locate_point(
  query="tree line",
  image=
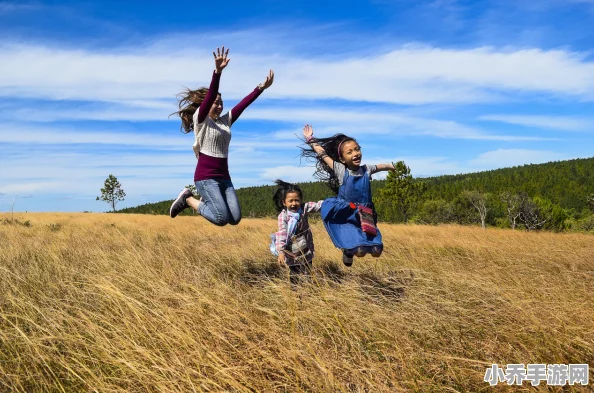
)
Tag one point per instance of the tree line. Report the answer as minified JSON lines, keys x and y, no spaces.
{"x":554,"y":196}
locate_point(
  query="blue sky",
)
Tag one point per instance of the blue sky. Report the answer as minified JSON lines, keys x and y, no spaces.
{"x":447,"y":86}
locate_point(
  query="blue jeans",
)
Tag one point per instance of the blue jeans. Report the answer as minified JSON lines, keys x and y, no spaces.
{"x":219,"y":201}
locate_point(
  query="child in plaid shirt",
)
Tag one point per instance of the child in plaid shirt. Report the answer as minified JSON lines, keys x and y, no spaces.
{"x":293,"y":243}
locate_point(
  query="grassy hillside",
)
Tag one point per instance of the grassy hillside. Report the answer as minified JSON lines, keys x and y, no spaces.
{"x":140,"y":303}
{"x":565,"y":183}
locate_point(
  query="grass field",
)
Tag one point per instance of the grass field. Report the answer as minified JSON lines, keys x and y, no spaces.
{"x":139,"y":303}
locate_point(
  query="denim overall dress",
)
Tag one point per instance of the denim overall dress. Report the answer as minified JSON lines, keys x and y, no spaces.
{"x":342,"y":221}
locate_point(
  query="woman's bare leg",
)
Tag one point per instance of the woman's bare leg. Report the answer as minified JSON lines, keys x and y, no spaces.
{"x":194,"y":203}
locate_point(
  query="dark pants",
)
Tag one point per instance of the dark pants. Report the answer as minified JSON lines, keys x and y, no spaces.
{"x":297,"y":272}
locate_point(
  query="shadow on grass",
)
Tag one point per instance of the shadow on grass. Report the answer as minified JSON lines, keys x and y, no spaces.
{"x":331,"y":272}
{"x":253,"y":272}
{"x":389,"y":286}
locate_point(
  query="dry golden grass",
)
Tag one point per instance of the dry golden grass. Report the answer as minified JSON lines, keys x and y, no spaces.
{"x":133,"y":303}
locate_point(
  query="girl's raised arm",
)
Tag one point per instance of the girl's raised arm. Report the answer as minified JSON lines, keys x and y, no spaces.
{"x":385,"y":167}
{"x":312,"y":207}
{"x":308,"y":134}
{"x":221,"y":61}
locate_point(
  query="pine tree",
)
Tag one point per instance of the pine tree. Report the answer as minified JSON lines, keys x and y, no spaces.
{"x":192,"y":187}
{"x":112,"y":192}
{"x":400,"y":193}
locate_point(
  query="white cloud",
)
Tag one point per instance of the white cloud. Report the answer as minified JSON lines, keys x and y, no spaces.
{"x":419,"y":166}
{"x":143,"y":172}
{"x":513,"y":157}
{"x":10,"y":7}
{"x":288,"y":173}
{"x":551,"y":122}
{"x":30,"y":187}
{"x":422,"y":166}
{"x":139,"y":83}
{"x":35,"y":135}
{"x":68,"y":111}
{"x":328,"y":121}
{"x":405,"y":75}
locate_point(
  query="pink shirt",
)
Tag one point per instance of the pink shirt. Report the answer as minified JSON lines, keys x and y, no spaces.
{"x":302,"y":241}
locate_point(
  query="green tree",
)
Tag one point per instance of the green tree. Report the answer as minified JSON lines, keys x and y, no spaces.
{"x":192,"y":187}
{"x":435,"y":211}
{"x":400,"y":193}
{"x":112,"y":192}
{"x":535,"y":213}
{"x":590,"y":201}
{"x":558,"y":219}
{"x":513,"y":205}
{"x":480,"y":202}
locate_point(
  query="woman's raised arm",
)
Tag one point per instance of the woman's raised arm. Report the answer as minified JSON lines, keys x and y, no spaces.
{"x":221,"y":61}
{"x":243,"y":104}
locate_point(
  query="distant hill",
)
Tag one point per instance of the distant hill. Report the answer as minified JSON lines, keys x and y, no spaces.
{"x":565,"y":183}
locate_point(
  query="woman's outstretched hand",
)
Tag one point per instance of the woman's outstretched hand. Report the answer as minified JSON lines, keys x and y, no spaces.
{"x":221,"y":59}
{"x":307,"y":132}
{"x":268,"y":82}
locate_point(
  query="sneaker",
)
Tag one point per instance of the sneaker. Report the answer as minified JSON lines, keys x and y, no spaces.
{"x":180,"y":203}
{"x":376,"y":251}
{"x":347,"y":259}
{"x":361,"y":251}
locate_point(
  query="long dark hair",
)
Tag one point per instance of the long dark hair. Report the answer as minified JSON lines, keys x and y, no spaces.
{"x":188,"y":102}
{"x":281,"y":193}
{"x":330,"y":145}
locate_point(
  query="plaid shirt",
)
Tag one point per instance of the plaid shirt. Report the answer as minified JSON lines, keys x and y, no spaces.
{"x":302,"y":238}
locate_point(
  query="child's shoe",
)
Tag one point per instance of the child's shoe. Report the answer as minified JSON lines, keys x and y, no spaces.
{"x":361,"y":251}
{"x":347,"y":259}
{"x":376,"y":251}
